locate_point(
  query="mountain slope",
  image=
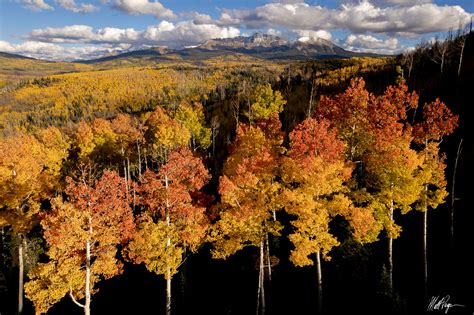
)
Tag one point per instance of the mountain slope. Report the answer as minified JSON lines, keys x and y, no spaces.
{"x":14,"y":68}
{"x":13,"y":56}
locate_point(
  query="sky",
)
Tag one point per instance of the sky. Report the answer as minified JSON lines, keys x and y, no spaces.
{"x":87,"y":29}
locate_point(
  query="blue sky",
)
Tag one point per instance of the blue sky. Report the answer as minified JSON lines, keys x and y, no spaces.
{"x":84,"y":29}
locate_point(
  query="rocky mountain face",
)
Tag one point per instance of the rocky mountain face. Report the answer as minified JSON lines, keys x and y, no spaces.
{"x":257,"y":40}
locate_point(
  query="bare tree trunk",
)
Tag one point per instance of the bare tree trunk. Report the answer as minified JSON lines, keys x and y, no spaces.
{"x":463,"y":44}
{"x":2,"y":249}
{"x":128,"y":173}
{"x":125,"y":175}
{"x":269,"y":263}
{"x":21,"y":272}
{"x":390,"y":255}
{"x":425,"y":256}
{"x":442,"y":62}
{"x":409,"y":56}
{"x":319,"y":280}
{"x":134,"y":199}
{"x":139,"y":162}
{"x":261,"y":287}
{"x":168,"y":244}
{"x":453,"y":197}
{"x":87,"y":303}
{"x":168,"y":292}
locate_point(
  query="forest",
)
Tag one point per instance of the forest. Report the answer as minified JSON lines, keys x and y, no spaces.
{"x":236,"y":187}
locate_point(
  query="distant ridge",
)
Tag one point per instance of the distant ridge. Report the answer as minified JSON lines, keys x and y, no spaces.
{"x":14,"y":56}
{"x":258,"y":45}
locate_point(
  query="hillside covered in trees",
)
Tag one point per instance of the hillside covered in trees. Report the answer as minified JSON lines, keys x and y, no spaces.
{"x":237,"y":186}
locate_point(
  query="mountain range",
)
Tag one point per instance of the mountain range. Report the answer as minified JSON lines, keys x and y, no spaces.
{"x":258,"y":45}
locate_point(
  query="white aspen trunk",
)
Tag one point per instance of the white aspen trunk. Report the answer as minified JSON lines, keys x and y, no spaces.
{"x":21,"y":272}
{"x":168,"y":244}
{"x":2,"y":250}
{"x":319,"y":280}
{"x":262,"y":281}
{"x":425,"y":256}
{"x":168,"y":293}
{"x":261,"y":288}
{"x":87,"y":303}
{"x":128,"y":173}
{"x":125,"y":176}
{"x":461,"y":55}
{"x":269,"y":262}
{"x":443,"y":54}
{"x":390,"y":255}
{"x":134,"y":198}
{"x":146,"y":162}
{"x":139,"y":162}
{"x":411,"y":56}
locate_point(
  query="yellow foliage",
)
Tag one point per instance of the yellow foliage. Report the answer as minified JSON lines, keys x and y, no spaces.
{"x":192,"y":117}
{"x":149,"y":246}
{"x":266,"y":102}
{"x":164,"y":133}
{"x":28,"y":168}
{"x":50,"y":282}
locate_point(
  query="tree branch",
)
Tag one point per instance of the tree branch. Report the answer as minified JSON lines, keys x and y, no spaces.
{"x":73,"y":299}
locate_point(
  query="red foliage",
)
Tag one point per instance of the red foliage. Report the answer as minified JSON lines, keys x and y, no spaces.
{"x":174,"y":185}
{"x":438,"y":121}
{"x":347,"y":106}
{"x":313,"y":138}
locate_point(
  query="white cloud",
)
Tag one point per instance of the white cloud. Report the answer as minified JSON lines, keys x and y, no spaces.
{"x":418,"y":19}
{"x":165,"y":33}
{"x":35,"y":5}
{"x":29,"y":47}
{"x":199,"y":18}
{"x":137,"y":7}
{"x":388,"y":3}
{"x":58,"y":52}
{"x":187,"y":33}
{"x":306,"y":35}
{"x":273,"y":32}
{"x":288,"y":1}
{"x":85,"y":34}
{"x":67,"y":34}
{"x":402,"y":2}
{"x":71,"y":5}
{"x":368,"y":43}
{"x":116,"y":35}
{"x":357,"y":17}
